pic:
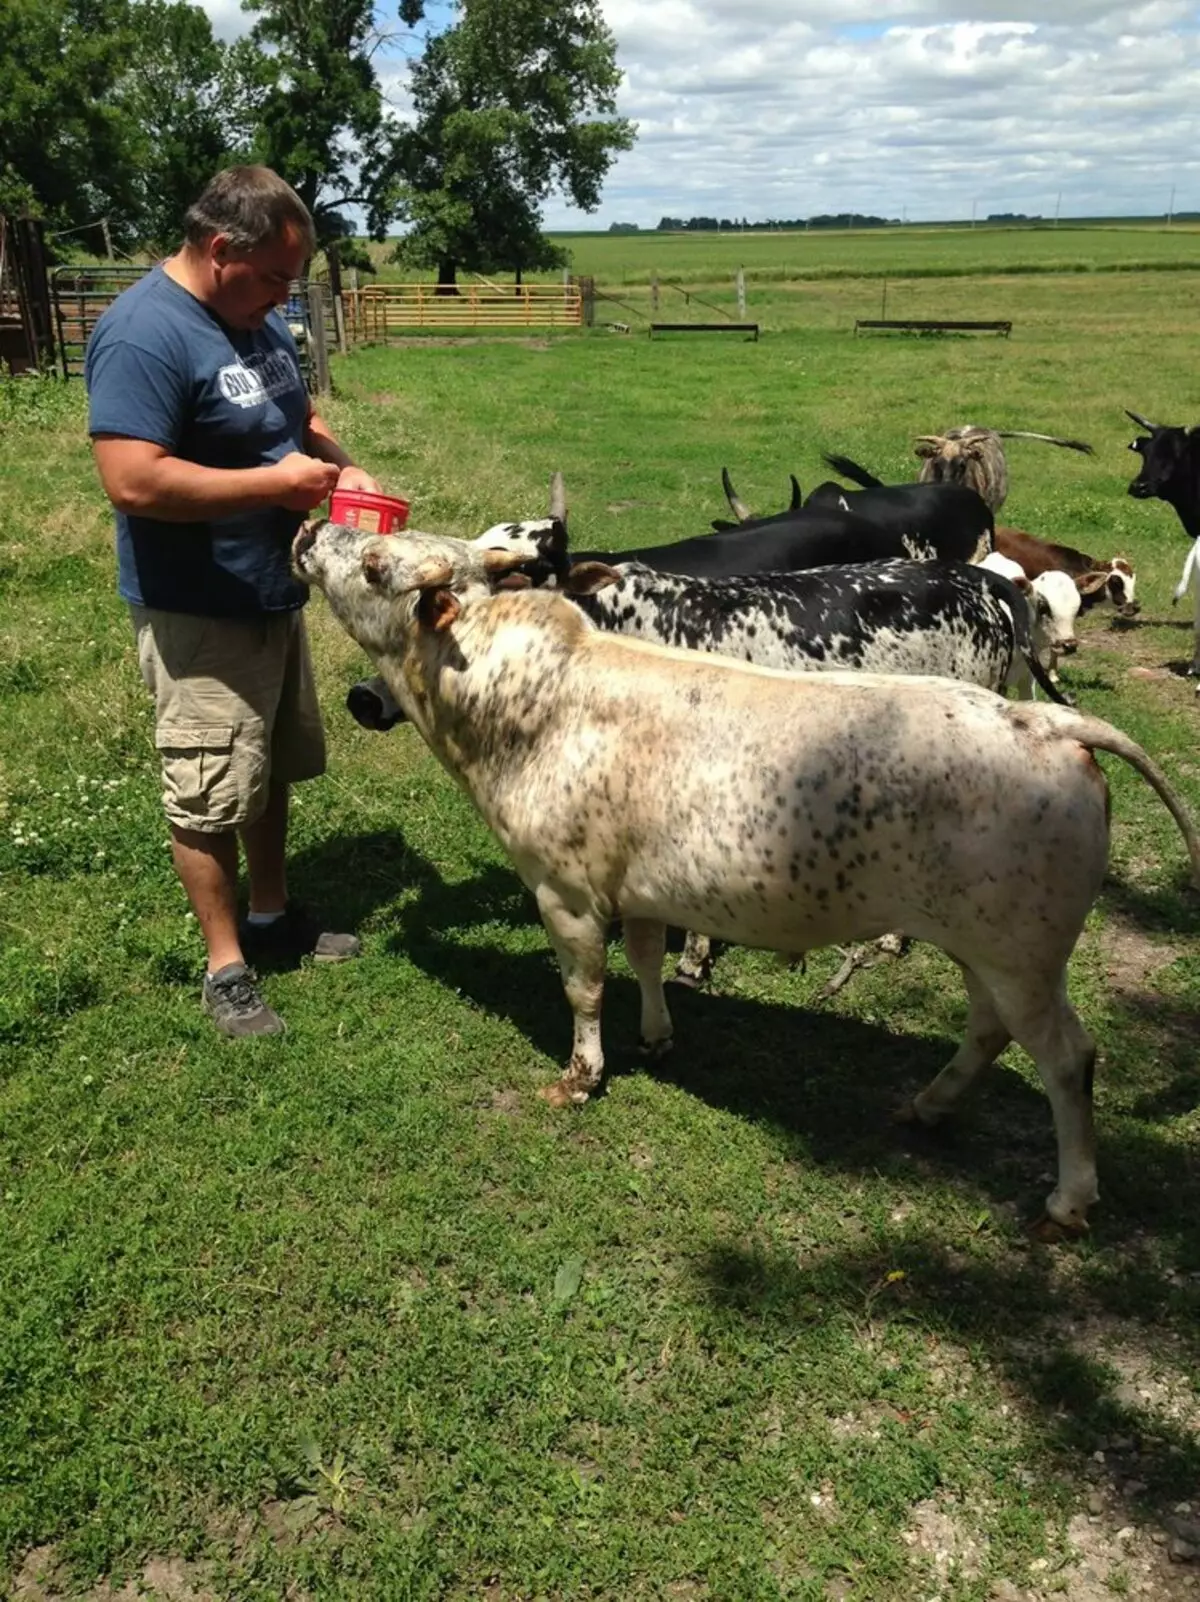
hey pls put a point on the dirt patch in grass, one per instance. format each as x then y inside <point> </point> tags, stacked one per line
<point>41,1579</point>
<point>1132,958</point>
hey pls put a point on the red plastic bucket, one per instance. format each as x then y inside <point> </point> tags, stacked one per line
<point>374,514</point>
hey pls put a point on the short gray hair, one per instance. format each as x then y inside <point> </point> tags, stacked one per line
<point>252,205</point>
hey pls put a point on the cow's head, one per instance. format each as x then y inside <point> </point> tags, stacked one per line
<point>1116,583</point>
<point>540,541</point>
<point>948,457</point>
<point>381,587</point>
<point>1170,469</point>
<point>1058,602</point>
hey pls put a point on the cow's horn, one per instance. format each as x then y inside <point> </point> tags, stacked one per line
<point>502,561</point>
<point>930,439</point>
<point>558,498</point>
<point>740,510</point>
<point>1141,422</point>
<point>797,498</point>
<point>429,574</point>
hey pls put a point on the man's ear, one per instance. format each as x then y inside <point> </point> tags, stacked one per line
<point>585,578</point>
<point>437,609</point>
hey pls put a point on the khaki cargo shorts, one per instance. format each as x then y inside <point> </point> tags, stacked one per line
<point>235,711</point>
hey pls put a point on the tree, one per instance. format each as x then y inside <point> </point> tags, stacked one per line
<point>180,92</point>
<point>66,147</point>
<point>514,101</point>
<point>320,115</point>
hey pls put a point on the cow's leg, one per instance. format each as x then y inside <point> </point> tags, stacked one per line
<point>1044,1022</point>
<point>578,937</point>
<point>1195,667</point>
<point>986,1037</point>
<point>646,945</point>
<point>695,960</point>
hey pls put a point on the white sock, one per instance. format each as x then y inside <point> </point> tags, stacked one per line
<point>263,920</point>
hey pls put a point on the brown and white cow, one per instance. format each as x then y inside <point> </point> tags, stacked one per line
<point>779,810</point>
<point>1096,581</point>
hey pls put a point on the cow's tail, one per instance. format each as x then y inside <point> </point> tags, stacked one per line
<point>1047,439</point>
<point>1097,735</point>
<point>851,470</point>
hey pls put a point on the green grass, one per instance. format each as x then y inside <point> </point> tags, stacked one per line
<point>914,251</point>
<point>352,1313</point>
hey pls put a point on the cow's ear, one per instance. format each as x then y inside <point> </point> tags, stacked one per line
<point>1091,583</point>
<point>1023,584</point>
<point>515,581</point>
<point>437,609</point>
<point>927,447</point>
<point>585,578</point>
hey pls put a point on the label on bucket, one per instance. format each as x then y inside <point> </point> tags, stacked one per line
<point>373,514</point>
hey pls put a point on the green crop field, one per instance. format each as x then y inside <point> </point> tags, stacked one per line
<point>695,258</point>
<point>352,1313</point>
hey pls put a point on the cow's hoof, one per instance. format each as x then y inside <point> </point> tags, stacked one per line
<point>655,1050</point>
<point>563,1094</point>
<point>688,979</point>
<point>1049,1231</point>
<point>908,1116</point>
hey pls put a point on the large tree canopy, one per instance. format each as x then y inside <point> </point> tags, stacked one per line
<point>65,143</point>
<point>516,99</point>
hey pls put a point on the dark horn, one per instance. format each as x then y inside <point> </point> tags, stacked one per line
<point>740,510</point>
<point>1151,428</point>
<point>797,498</point>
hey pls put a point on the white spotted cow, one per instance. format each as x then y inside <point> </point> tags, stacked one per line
<point>785,811</point>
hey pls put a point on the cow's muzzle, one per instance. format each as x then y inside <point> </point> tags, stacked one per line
<point>1067,647</point>
<point>1130,609</point>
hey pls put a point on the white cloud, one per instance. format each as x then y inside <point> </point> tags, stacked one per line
<point>786,108</point>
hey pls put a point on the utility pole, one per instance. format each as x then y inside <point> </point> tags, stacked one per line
<point>973,205</point>
<point>1171,206</point>
<point>1057,204</point>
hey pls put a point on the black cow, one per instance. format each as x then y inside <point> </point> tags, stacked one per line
<point>950,515</point>
<point>1170,472</point>
<point>933,510</point>
<point>808,538</point>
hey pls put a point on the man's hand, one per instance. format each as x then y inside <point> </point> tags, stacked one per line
<point>356,478</point>
<point>304,482</point>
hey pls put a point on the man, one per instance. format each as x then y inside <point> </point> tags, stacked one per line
<point>209,449</point>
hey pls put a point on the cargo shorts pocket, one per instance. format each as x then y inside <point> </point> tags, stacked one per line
<point>200,780</point>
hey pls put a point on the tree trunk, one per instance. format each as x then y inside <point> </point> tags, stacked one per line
<point>518,285</point>
<point>446,280</point>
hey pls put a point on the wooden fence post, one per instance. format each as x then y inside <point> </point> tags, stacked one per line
<point>741,294</point>
<point>654,293</point>
<point>318,351</point>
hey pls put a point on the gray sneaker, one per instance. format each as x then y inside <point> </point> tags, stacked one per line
<point>232,1001</point>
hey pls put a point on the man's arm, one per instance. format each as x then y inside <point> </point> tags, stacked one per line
<point>145,480</point>
<point>319,442</point>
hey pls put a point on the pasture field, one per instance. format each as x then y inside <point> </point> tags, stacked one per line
<point>353,1314</point>
<point>913,251</point>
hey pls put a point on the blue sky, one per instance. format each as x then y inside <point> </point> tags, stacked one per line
<point>922,108</point>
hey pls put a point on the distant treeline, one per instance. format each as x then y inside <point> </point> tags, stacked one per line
<point>720,225</point>
<point>842,219</point>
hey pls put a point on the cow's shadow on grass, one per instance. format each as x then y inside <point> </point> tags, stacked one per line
<point>831,1082</point>
<point>1044,1334</point>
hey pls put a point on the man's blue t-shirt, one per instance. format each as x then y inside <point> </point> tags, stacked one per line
<point>162,367</point>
